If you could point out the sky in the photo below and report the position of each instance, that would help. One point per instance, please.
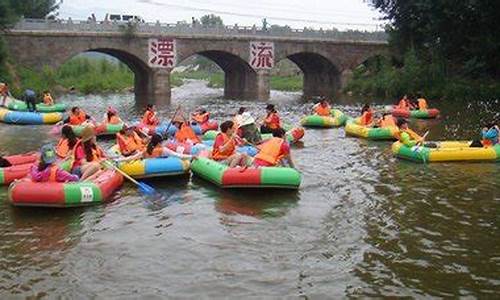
(341, 14)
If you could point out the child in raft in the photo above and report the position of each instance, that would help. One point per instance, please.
(408, 137)
(47, 98)
(47, 170)
(67, 143)
(366, 118)
(155, 149)
(224, 149)
(274, 152)
(322, 108)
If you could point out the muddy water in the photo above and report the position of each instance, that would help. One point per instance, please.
(362, 223)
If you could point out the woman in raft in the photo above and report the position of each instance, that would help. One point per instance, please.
(274, 152)
(366, 118)
(77, 117)
(47, 170)
(87, 156)
(111, 117)
(155, 149)
(150, 117)
(130, 142)
(224, 149)
(272, 120)
(67, 142)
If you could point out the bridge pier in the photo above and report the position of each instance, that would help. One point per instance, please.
(159, 88)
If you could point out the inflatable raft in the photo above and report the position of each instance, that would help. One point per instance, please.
(447, 151)
(265, 177)
(29, 118)
(353, 128)
(415, 113)
(21, 165)
(26, 192)
(18, 105)
(101, 129)
(152, 167)
(336, 119)
(209, 125)
(164, 126)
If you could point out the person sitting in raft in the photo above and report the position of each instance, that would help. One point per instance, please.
(4, 92)
(422, 103)
(200, 116)
(490, 135)
(272, 120)
(87, 156)
(112, 117)
(387, 120)
(67, 143)
(30, 98)
(129, 142)
(404, 103)
(77, 117)
(274, 151)
(156, 149)
(47, 170)
(224, 149)
(247, 128)
(322, 108)
(149, 118)
(47, 98)
(366, 118)
(238, 116)
(184, 134)
(407, 136)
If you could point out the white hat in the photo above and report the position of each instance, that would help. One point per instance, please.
(246, 119)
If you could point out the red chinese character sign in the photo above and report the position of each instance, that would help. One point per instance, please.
(262, 55)
(162, 53)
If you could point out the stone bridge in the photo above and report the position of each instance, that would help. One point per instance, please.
(246, 55)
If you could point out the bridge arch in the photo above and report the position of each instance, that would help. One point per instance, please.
(240, 79)
(322, 77)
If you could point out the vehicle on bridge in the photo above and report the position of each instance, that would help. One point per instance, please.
(125, 18)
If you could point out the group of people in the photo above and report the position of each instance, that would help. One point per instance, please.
(407, 104)
(29, 97)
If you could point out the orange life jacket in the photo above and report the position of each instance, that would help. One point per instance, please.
(487, 143)
(220, 155)
(157, 152)
(422, 104)
(48, 100)
(77, 119)
(270, 151)
(387, 121)
(273, 121)
(130, 144)
(149, 118)
(366, 118)
(186, 132)
(322, 110)
(113, 120)
(53, 173)
(201, 118)
(97, 154)
(403, 104)
(62, 148)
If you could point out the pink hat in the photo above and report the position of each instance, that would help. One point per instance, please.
(112, 110)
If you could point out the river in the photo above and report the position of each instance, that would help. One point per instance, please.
(362, 224)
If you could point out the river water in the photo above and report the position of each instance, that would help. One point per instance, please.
(362, 224)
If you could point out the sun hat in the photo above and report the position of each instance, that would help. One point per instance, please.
(87, 133)
(246, 119)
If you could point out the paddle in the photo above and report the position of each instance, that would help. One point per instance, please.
(421, 142)
(143, 188)
(171, 120)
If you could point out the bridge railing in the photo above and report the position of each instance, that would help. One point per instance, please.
(196, 29)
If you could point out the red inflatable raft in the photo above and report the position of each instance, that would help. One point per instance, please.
(26, 192)
(21, 165)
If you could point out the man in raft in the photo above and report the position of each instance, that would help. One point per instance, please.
(150, 118)
(407, 136)
(322, 108)
(224, 149)
(30, 100)
(129, 142)
(274, 151)
(200, 116)
(77, 117)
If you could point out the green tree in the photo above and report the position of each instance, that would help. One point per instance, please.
(211, 20)
(36, 9)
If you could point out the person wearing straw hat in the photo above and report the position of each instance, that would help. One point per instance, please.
(248, 129)
(87, 156)
(47, 170)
